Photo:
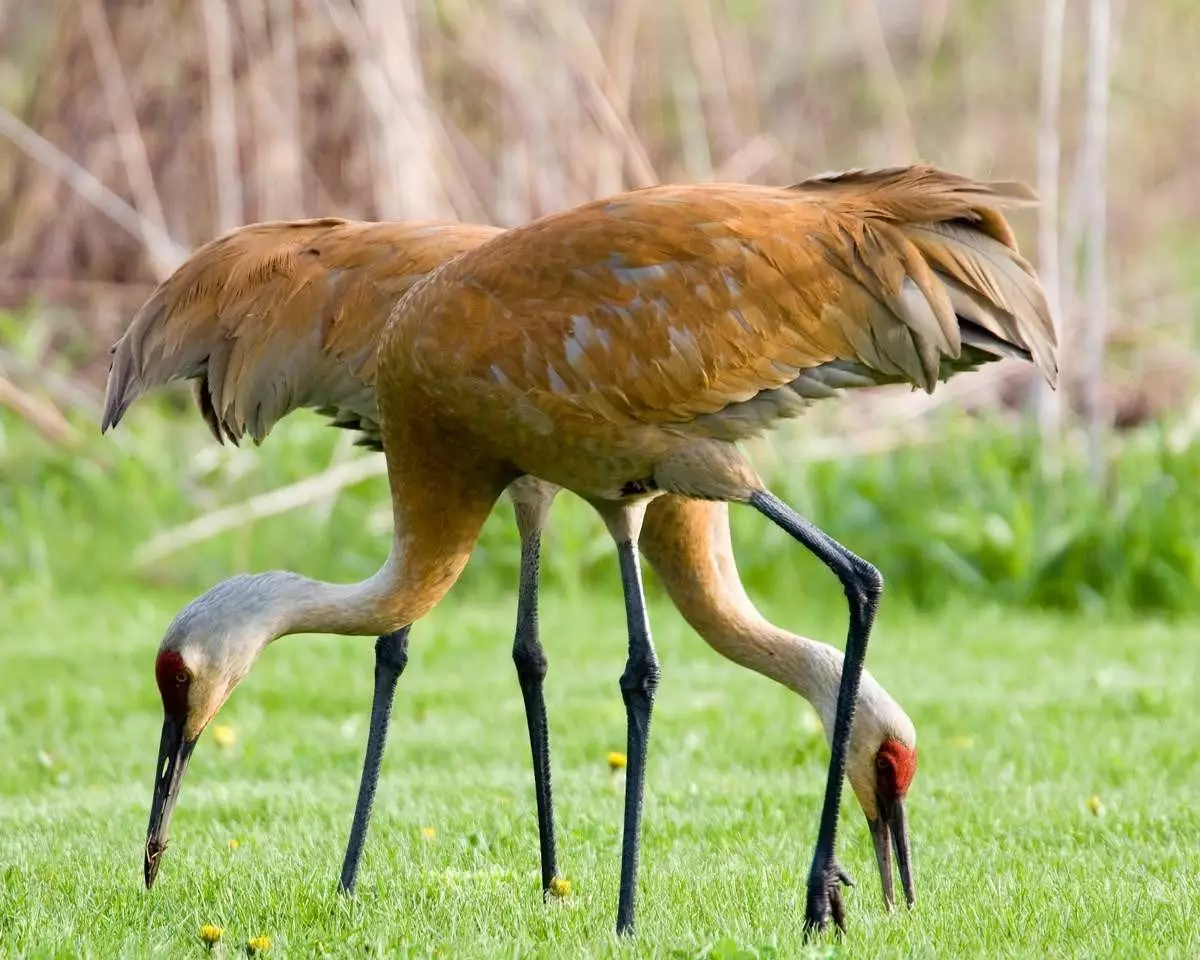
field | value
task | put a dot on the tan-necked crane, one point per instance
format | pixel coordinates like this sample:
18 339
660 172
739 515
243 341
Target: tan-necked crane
621 349
277 316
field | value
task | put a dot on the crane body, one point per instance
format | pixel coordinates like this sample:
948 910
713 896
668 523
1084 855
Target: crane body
280 315
620 350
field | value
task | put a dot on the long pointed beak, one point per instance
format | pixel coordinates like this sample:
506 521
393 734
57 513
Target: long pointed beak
173 753
892 826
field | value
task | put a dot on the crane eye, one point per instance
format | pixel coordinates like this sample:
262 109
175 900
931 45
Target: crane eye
181 678
881 763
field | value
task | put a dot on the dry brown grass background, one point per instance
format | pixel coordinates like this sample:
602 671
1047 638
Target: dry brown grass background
195 117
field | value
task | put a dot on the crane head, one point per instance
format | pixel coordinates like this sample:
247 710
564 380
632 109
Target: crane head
895 766
207 650
880 766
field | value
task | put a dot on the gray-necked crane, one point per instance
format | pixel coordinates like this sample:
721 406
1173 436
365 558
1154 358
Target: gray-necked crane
277 316
621 349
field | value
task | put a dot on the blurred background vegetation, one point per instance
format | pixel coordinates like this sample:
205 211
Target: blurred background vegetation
131 132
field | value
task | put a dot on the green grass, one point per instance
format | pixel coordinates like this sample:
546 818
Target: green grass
1022 718
973 514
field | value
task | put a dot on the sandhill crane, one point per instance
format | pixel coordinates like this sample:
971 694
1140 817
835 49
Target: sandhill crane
621 349
274 316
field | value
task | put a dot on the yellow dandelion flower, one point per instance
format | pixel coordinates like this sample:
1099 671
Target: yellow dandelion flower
616 760
223 735
234 843
256 945
1095 806
560 887
428 833
210 934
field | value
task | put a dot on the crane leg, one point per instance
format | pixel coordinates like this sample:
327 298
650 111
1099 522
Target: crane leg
863 585
391 657
638 685
530 660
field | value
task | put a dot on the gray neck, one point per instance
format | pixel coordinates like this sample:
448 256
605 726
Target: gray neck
258 608
301 605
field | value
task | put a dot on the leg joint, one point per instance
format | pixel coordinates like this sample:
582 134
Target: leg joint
391 651
640 679
864 585
530 661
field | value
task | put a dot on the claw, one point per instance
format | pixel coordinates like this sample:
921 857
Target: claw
838 908
825 899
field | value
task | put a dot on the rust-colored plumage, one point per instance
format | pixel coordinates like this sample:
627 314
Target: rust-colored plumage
677 314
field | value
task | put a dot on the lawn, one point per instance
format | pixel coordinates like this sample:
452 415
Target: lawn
1023 719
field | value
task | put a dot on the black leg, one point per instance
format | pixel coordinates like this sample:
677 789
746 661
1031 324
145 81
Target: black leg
863 585
530 660
638 684
391 657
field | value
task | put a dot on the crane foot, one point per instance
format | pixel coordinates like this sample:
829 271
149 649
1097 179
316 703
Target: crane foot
825 901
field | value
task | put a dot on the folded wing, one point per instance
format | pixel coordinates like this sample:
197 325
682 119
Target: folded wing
277 316
720 308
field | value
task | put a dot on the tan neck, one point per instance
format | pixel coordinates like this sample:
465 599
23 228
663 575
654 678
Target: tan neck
688 544
738 631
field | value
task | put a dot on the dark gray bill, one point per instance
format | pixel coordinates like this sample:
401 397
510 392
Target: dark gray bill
173 754
892 827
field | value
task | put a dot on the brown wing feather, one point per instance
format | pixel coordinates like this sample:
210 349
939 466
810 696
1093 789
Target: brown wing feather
682 305
276 316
